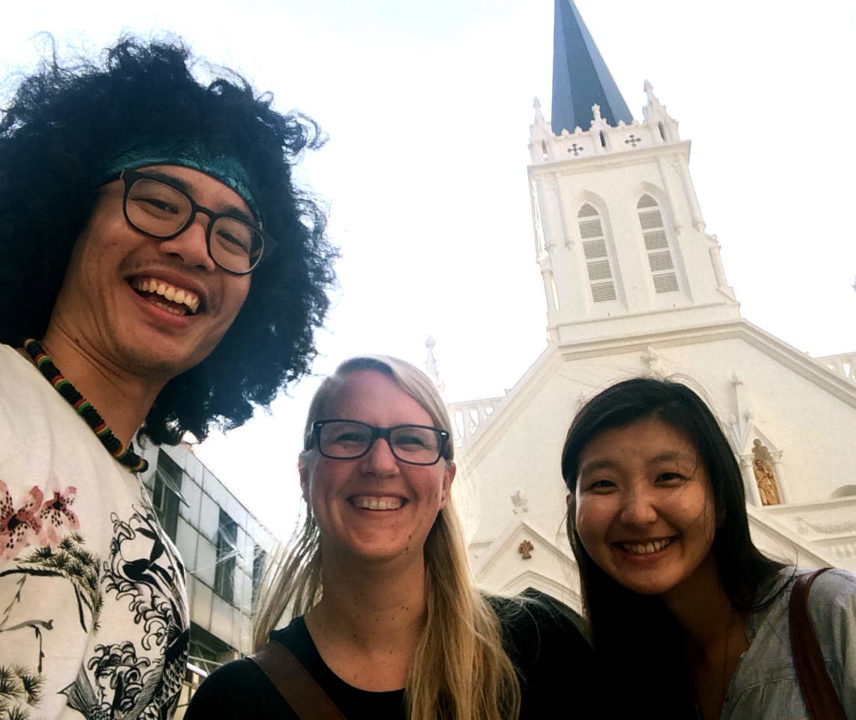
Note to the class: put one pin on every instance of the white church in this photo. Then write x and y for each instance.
(635, 286)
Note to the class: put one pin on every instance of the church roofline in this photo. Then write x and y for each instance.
(802, 363)
(525, 389)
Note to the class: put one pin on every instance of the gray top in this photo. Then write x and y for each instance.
(765, 683)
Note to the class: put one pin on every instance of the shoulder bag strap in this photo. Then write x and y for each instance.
(821, 700)
(303, 694)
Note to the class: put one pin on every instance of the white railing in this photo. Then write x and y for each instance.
(844, 365)
(468, 417)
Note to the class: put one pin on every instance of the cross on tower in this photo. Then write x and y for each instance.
(575, 149)
(632, 140)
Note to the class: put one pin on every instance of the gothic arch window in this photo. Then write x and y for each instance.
(657, 245)
(662, 131)
(597, 258)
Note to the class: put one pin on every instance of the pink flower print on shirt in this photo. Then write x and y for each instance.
(18, 528)
(56, 516)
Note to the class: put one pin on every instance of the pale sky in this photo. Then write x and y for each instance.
(428, 107)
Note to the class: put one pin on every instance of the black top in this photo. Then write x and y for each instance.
(555, 665)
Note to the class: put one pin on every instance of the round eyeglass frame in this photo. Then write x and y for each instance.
(130, 177)
(376, 433)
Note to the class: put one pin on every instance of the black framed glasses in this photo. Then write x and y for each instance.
(158, 208)
(351, 439)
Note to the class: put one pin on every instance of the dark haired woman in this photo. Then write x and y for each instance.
(680, 601)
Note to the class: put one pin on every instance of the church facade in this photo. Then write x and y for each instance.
(634, 285)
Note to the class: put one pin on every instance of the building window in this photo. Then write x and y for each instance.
(166, 492)
(259, 557)
(207, 651)
(657, 245)
(597, 259)
(227, 551)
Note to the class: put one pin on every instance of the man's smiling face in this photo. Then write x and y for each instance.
(154, 307)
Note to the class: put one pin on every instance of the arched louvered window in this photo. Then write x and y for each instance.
(657, 244)
(597, 259)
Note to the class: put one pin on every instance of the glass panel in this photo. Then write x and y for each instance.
(167, 492)
(224, 571)
(344, 439)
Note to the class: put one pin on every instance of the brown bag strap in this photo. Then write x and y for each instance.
(300, 690)
(821, 700)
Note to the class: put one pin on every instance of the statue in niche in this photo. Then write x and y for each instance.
(762, 464)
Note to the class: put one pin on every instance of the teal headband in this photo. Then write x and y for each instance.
(221, 166)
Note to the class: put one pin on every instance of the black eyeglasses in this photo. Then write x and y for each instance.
(163, 210)
(351, 439)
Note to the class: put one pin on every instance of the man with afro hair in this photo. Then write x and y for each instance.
(160, 273)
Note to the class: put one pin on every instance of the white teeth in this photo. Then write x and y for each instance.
(375, 503)
(170, 292)
(645, 548)
(169, 308)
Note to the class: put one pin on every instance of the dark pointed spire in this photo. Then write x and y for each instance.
(580, 77)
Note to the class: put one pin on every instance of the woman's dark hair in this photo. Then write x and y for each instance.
(64, 126)
(622, 622)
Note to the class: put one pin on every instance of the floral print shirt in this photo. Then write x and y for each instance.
(93, 610)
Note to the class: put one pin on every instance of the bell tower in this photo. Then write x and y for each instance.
(619, 235)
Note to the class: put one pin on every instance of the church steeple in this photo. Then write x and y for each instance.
(619, 235)
(580, 77)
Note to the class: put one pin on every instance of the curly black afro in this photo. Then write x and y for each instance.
(62, 128)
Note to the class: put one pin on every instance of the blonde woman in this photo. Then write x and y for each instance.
(386, 619)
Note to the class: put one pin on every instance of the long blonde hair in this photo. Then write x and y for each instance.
(460, 670)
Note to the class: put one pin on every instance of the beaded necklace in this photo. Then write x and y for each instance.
(124, 455)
